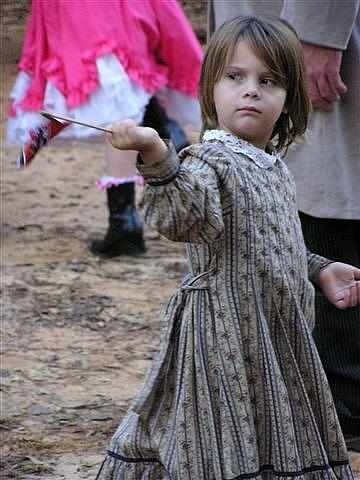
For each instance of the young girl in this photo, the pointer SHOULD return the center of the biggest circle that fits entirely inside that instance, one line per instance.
(237, 390)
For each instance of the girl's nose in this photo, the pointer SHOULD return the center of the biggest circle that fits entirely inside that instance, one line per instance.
(251, 90)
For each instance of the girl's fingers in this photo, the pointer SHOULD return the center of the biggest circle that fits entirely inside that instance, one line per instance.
(354, 298)
(357, 272)
(342, 303)
(350, 298)
(356, 295)
(126, 124)
(121, 126)
(109, 135)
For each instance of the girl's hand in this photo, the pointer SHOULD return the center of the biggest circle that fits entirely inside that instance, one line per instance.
(340, 284)
(127, 135)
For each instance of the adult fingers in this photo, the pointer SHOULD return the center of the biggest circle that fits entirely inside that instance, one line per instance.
(326, 90)
(316, 98)
(331, 86)
(336, 83)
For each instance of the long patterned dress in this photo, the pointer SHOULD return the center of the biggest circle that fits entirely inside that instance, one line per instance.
(237, 390)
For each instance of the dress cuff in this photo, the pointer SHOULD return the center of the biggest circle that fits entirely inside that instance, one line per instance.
(316, 263)
(162, 172)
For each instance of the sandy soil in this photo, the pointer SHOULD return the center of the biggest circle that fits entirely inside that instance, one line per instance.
(79, 332)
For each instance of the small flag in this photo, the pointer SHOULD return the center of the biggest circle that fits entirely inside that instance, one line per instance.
(39, 137)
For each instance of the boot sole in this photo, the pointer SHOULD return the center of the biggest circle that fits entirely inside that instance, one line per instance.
(128, 250)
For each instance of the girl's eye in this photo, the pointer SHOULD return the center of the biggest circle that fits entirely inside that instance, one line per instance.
(268, 81)
(234, 76)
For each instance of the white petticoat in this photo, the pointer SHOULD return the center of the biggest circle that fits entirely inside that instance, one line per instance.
(116, 98)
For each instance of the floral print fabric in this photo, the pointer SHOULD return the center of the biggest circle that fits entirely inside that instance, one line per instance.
(237, 390)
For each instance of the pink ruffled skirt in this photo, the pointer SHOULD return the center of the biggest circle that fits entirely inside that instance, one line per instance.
(116, 98)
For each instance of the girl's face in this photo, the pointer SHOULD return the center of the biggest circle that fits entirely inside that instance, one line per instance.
(248, 99)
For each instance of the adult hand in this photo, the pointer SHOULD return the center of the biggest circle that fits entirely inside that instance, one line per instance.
(340, 284)
(323, 72)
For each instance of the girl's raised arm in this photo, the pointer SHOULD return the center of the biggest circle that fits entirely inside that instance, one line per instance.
(182, 200)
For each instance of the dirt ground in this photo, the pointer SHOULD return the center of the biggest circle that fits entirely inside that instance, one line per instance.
(79, 332)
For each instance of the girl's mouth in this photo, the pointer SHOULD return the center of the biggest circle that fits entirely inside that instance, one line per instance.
(250, 108)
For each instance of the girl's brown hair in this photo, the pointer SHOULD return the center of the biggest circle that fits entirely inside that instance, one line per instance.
(276, 44)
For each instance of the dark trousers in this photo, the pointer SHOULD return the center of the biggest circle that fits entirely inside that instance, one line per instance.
(337, 332)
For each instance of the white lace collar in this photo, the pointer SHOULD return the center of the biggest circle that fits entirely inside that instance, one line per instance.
(257, 155)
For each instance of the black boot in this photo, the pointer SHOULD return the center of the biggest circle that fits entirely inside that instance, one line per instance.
(125, 232)
(156, 117)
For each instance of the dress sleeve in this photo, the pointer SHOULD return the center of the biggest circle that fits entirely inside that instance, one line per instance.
(316, 263)
(325, 23)
(182, 200)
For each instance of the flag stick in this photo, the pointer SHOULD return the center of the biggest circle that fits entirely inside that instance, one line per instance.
(49, 115)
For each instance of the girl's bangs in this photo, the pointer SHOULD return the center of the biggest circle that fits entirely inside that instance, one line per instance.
(269, 49)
